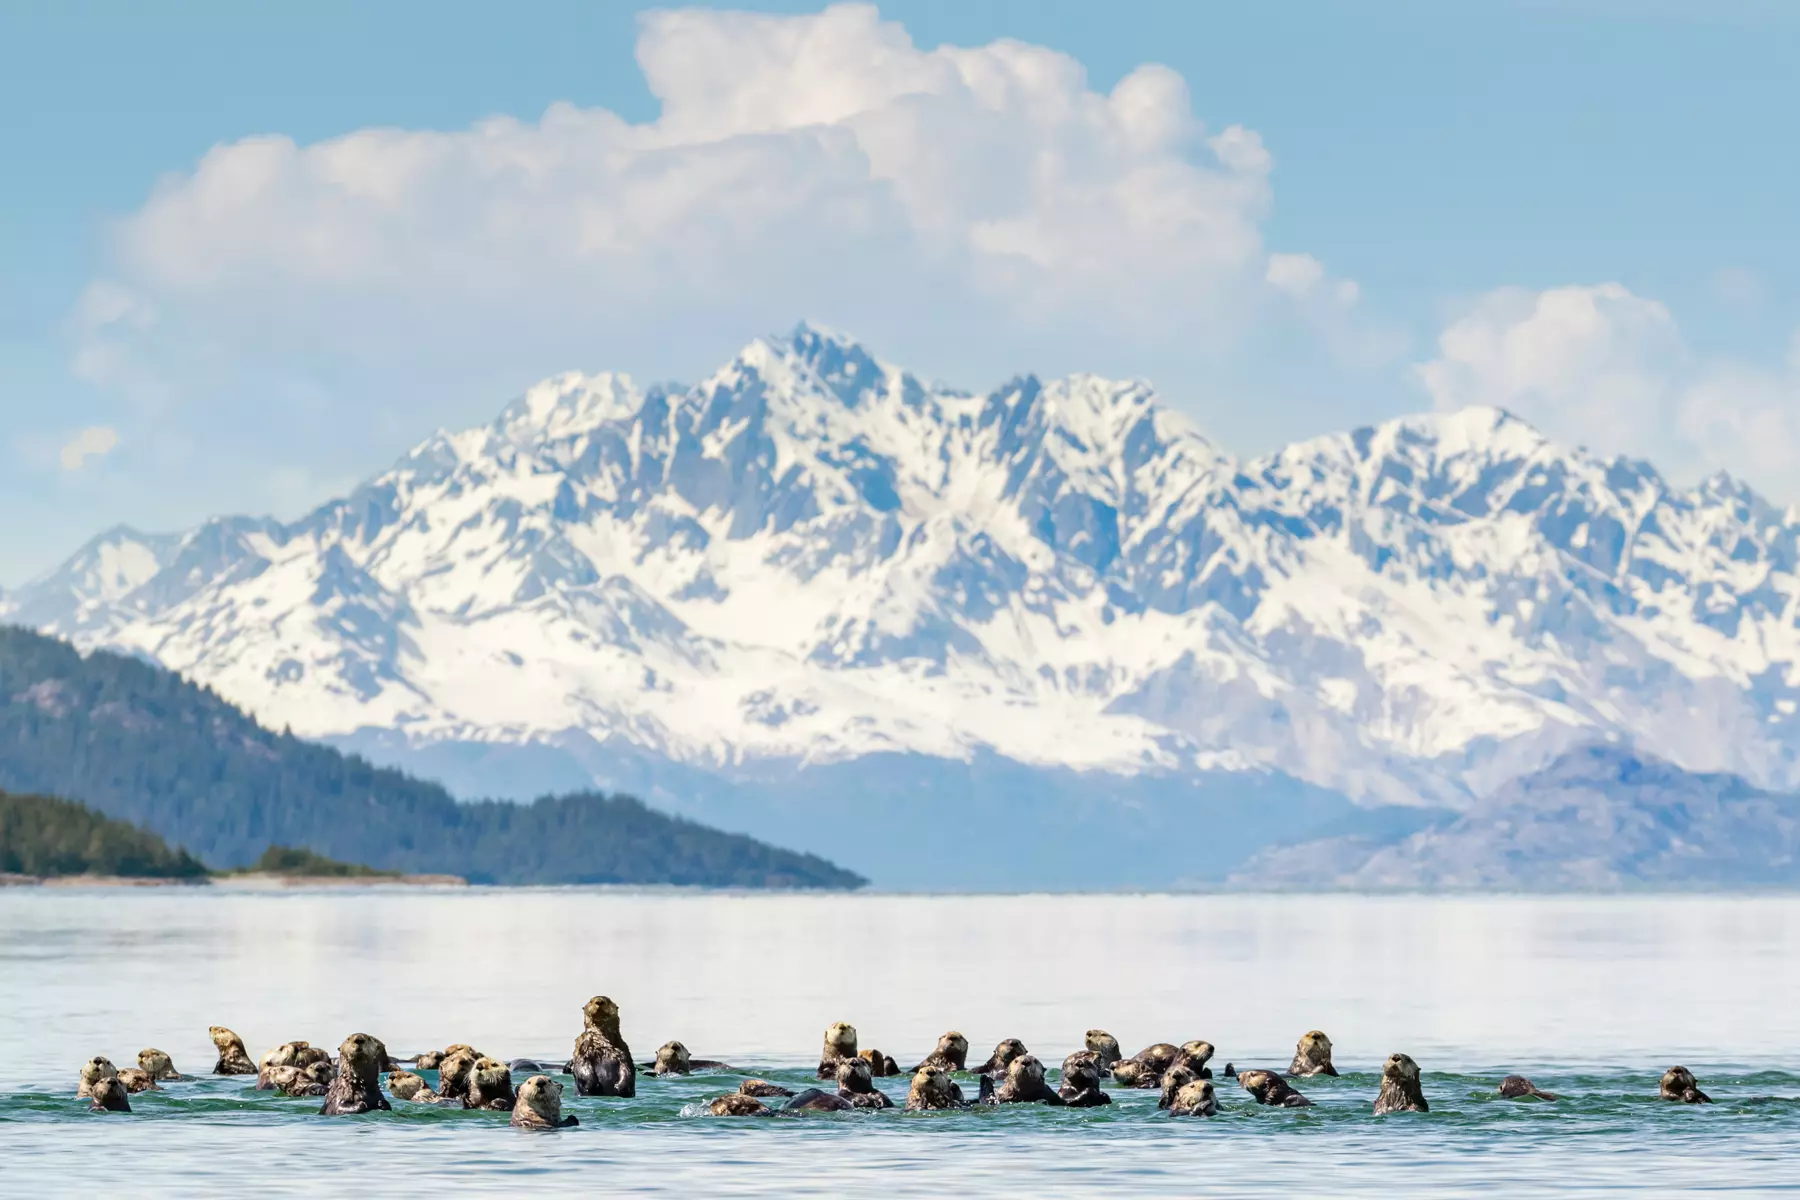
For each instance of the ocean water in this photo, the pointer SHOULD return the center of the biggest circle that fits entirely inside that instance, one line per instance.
(1591, 997)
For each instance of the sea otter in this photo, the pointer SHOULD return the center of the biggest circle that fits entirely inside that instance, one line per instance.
(952, 1054)
(1173, 1080)
(285, 1055)
(93, 1071)
(1312, 1056)
(817, 1100)
(738, 1105)
(136, 1080)
(1194, 1056)
(880, 1065)
(602, 1063)
(1025, 1084)
(932, 1088)
(1400, 1090)
(1269, 1088)
(108, 1095)
(1145, 1068)
(490, 1086)
(407, 1085)
(840, 1043)
(1678, 1083)
(1105, 1047)
(672, 1058)
(539, 1105)
(1081, 1081)
(233, 1059)
(1517, 1087)
(856, 1085)
(1195, 1099)
(453, 1076)
(357, 1085)
(158, 1066)
(762, 1087)
(312, 1080)
(428, 1061)
(1003, 1055)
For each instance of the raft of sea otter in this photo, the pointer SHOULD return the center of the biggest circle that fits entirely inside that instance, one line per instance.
(602, 1065)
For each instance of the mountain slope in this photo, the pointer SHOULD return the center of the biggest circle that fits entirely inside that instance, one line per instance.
(139, 744)
(44, 836)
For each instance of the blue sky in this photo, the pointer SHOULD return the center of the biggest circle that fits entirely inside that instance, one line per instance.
(1468, 184)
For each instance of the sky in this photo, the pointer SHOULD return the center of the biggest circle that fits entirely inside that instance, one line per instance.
(251, 253)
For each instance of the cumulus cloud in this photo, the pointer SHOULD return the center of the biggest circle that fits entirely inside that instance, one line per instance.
(96, 441)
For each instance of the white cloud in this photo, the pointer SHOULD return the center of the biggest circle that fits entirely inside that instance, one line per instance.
(96, 441)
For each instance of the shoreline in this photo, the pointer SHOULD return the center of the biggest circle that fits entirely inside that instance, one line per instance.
(232, 883)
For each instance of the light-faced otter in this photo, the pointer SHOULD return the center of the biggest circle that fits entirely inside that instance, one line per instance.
(817, 1100)
(738, 1105)
(856, 1085)
(312, 1080)
(932, 1088)
(1002, 1057)
(108, 1095)
(453, 1076)
(1105, 1048)
(1269, 1088)
(93, 1071)
(1081, 1081)
(762, 1087)
(1678, 1083)
(158, 1066)
(406, 1085)
(1195, 1099)
(1194, 1056)
(279, 1079)
(880, 1065)
(602, 1063)
(952, 1054)
(1025, 1084)
(672, 1058)
(1312, 1056)
(233, 1059)
(840, 1043)
(490, 1086)
(428, 1061)
(539, 1105)
(136, 1080)
(1400, 1090)
(1145, 1068)
(357, 1085)
(285, 1055)
(1517, 1087)
(1173, 1080)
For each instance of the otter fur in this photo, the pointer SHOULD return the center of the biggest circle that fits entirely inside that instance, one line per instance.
(288, 1054)
(1025, 1084)
(1081, 1081)
(408, 1085)
(672, 1058)
(952, 1054)
(856, 1085)
(490, 1086)
(108, 1095)
(357, 1085)
(1312, 1056)
(602, 1063)
(453, 1075)
(739, 1105)
(1105, 1048)
(1266, 1087)
(136, 1080)
(1679, 1084)
(840, 1043)
(313, 1080)
(1517, 1087)
(233, 1058)
(880, 1065)
(817, 1100)
(1173, 1080)
(1194, 1056)
(93, 1071)
(158, 1066)
(539, 1105)
(428, 1061)
(762, 1087)
(1400, 1090)
(932, 1088)
(1145, 1068)
(1195, 1099)
(1002, 1057)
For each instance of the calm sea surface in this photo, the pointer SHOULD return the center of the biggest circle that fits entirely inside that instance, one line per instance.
(1591, 997)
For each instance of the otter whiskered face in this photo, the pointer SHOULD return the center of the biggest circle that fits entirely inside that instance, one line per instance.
(853, 1075)
(602, 1014)
(840, 1039)
(1400, 1067)
(672, 1058)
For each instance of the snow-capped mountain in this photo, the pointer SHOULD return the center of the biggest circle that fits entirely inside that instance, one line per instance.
(813, 557)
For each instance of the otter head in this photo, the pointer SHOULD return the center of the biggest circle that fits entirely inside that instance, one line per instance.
(1401, 1069)
(840, 1040)
(489, 1080)
(1006, 1053)
(1257, 1083)
(1314, 1049)
(429, 1060)
(1081, 1071)
(109, 1096)
(878, 1064)
(157, 1064)
(1105, 1046)
(1196, 1053)
(224, 1039)
(318, 1072)
(93, 1071)
(1025, 1072)
(737, 1105)
(541, 1096)
(931, 1088)
(404, 1085)
(286, 1055)
(853, 1075)
(672, 1058)
(953, 1048)
(360, 1058)
(1196, 1099)
(602, 1014)
(308, 1055)
(1173, 1080)
(453, 1074)
(283, 1079)
(459, 1048)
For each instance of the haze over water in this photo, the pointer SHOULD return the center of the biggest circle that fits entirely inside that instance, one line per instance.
(1592, 997)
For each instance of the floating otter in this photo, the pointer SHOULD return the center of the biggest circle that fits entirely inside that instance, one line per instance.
(932, 1088)
(93, 1071)
(1025, 1084)
(1145, 1068)
(952, 1054)
(1269, 1088)
(406, 1085)
(136, 1080)
(880, 1065)
(739, 1105)
(1678, 1083)
(1173, 1080)
(285, 1055)
(539, 1105)
(428, 1061)
(762, 1087)
(1195, 1099)
(1105, 1048)
(357, 1085)
(1517, 1087)
(1400, 1090)
(1002, 1057)
(233, 1059)
(108, 1095)
(490, 1086)
(1312, 1056)
(1081, 1081)
(840, 1043)
(313, 1080)
(856, 1085)
(817, 1100)
(453, 1076)
(602, 1063)
(158, 1066)
(1194, 1056)
(672, 1058)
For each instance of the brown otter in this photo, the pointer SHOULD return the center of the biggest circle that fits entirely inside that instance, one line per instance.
(1194, 1056)
(856, 1085)
(1145, 1068)
(1312, 1056)
(233, 1059)
(285, 1055)
(108, 1095)
(490, 1086)
(310, 1054)
(539, 1105)
(1678, 1083)
(932, 1088)
(406, 1085)
(762, 1087)
(136, 1080)
(880, 1065)
(1400, 1090)
(93, 1071)
(158, 1065)
(672, 1058)
(1025, 1084)
(952, 1054)
(602, 1063)
(1173, 1080)
(817, 1100)
(1081, 1081)
(429, 1060)
(1269, 1088)
(840, 1043)
(1195, 1099)
(357, 1085)
(453, 1076)
(313, 1080)
(1105, 1047)
(738, 1105)
(1517, 1087)
(1002, 1057)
